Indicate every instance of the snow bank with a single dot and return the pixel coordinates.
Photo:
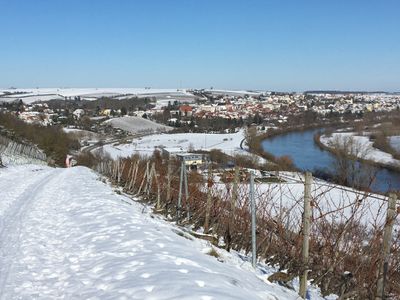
(364, 147)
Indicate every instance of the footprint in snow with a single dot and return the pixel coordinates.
(149, 288)
(184, 271)
(200, 283)
(145, 275)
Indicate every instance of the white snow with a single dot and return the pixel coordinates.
(30, 99)
(228, 143)
(64, 234)
(235, 92)
(136, 124)
(362, 143)
(45, 94)
(82, 135)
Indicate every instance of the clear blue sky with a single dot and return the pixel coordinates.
(271, 45)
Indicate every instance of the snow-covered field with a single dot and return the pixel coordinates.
(45, 94)
(136, 124)
(83, 135)
(362, 147)
(228, 143)
(31, 99)
(234, 92)
(64, 234)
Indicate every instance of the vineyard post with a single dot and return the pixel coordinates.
(387, 238)
(208, 204)
(180, 191)
(169, 181)
(253, 222)
(306, 233)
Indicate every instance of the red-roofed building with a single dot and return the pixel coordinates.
(186, 110)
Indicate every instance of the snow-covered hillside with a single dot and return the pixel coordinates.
(46, 94)
(64, 234)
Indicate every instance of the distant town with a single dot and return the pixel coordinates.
(191, 108)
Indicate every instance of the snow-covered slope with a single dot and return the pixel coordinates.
(64, 234)
(136, 124)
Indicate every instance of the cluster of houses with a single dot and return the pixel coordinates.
(278, 107)
(40, 113)
(273, 107)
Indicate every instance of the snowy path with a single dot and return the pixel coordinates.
(66, 235)
(11, 222)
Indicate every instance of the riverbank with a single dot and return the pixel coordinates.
(371, 162)
(286, 162)
(306, 155)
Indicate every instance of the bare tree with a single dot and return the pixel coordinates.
(348, 153)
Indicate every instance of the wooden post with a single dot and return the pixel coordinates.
(253, 222)
(150, 179)
(235, 190)
(180, 192)
(145, 176)
(121, 170)
(186, 193)
(135, 176)
(169, 181)
(118, 171)
(387, 241)
(208, 205)
(158, 207)
(153, 174)
(114, 171)
(306, 233)
(129, 176)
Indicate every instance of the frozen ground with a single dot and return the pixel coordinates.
(66, 235)
(137, 125)
(361, 143)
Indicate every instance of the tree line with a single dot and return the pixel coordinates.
(52, 140)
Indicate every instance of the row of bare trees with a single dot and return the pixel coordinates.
(346, 232)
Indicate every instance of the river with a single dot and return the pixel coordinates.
(307, 156)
